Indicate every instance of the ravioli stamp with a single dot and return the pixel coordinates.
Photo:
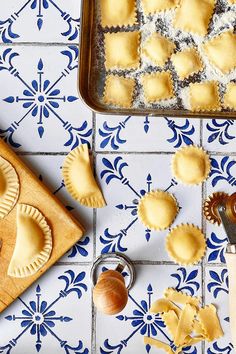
(204, 96)
(118, 13)
(119, 91)
(154, 6)
(186, 244)
(221, 51)
(9, 187)
(122, 50)
(191, 165)
(79, 179)
(33, 242)
(158, 49)
(193, 17)
(187, 63)
(157, 210)
(157, 87)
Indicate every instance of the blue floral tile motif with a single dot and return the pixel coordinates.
(38, 8)
(115, 170)
(216, 248)
(216, 349)
(39, 318)
(112, 134)
(144, 323)
(221, 171)
(219, 282)
(220, 131)
(41, 99)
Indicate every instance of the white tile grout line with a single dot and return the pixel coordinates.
(39, 44)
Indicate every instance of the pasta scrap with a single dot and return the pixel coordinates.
(79, 179)
(163, 306)
(119, 91)
(154, 6)
(185, 324)
(171, 321)
(128, 56)
(210, 323)
(157, 87)
(158, 344)
(181, 298)
(158, 49)
(187, 63)
(118, 13)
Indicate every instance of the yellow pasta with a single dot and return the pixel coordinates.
(33, 242)
(180, 297)
(185, 324)
(158, 49)
(230, 96)
(187, 63)
(171, 321)
(119, 91)
(153, 6)
(122, 50)
(118, 13)
(79, 179)
(163, 306)
(204, 96)
(157, 86)
(210, 322)
(9, 187)
(158, 344)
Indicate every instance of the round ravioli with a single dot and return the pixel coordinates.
(191, 165)
(157, 210)
(186, 244)
(9, 187)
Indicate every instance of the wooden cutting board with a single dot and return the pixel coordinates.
(66, 230)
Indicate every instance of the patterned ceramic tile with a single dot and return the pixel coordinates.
(145, 133)
(135, 320)
(40, 99)
(39, 21)
(42, 166)
(49, 317)
(219, 135)
(217, 293)
(124, 179)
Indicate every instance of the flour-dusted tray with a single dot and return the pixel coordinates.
(66, 231)
(92, 72)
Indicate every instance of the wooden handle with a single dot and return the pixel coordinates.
(110, 294)
(231, 264)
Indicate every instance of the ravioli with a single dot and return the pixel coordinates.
(230, 96)
(187, 63)
(186, 244)
(191, 165)
(79, 179)
(118, 13)
(33, 242)
(221, 51)
(204, 96)
(157, 86)
(158, 49)
(122, 50)
(194, 17)
(119, 91)
(157, 210)
(9, 187)
(154, 6)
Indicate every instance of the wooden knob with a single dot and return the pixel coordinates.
(110, 294)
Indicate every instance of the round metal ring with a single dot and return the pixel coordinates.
(124, 260)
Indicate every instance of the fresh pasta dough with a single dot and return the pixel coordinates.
(119, 91)
(187, 63)
(158, 49)
(79, 179)
(118, 13)
(157, 86)
(9, 187)
(33, 242)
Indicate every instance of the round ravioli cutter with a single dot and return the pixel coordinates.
(210, 206)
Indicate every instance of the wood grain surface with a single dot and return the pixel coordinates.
(66, 231)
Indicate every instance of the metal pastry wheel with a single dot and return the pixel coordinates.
(110, 293)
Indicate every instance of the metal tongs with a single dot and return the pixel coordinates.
(230, 228)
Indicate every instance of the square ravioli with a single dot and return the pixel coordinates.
(187, 63)
(204, 96)
(158, 49)
(221, 51)
(153, 6)
(122, 50)
(118, 13)
(230, 96)
(119, 91)
(157, 86)
(194, 16)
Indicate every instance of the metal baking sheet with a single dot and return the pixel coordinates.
(92, 71)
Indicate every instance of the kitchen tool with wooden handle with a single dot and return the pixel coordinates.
(227, 214)
(110, 293)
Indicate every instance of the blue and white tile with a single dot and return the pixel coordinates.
(48, 168)
(39, 104)
(135, 321)
(115, 133)
(40, 21)
(124, 179)
(219, 135)
(49, 317)
(217, 293)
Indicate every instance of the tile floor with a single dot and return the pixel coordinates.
(42, 118)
